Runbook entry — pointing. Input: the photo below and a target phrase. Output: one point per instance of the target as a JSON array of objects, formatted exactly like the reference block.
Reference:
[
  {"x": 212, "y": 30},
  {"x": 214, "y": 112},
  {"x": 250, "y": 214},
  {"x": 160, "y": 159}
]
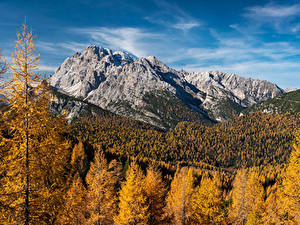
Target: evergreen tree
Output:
[
  {"x": 133, "y": 206},
  {"x": 102, "y": 180},
  {"x": 155, "y": 190},
  {"x": 33, "y": 151},
  {"x": 179, "y": 197},
  {"x": 207, "y": 203}
]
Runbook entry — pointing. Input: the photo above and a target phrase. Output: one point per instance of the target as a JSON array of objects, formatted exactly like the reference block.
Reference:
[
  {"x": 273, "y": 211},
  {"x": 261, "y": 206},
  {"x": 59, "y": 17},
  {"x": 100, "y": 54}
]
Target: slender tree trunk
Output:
[{"x": 26, "y": 159}]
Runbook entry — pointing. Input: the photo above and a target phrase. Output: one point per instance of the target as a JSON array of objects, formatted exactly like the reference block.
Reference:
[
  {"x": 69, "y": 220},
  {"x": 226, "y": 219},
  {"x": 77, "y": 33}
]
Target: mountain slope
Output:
[
  {"x": 238, "y": 92},
  {"x": 288, "y": 102},
  {"x": 143, "y": 88},
  {"x": 253, "y": 140},
  {"x": 119, "y": 84},
  {"x": 76, "y": 109}
]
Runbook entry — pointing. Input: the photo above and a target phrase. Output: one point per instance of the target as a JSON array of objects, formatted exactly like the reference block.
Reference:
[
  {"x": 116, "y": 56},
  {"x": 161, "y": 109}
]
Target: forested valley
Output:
[{"x": 108, "y": 169}]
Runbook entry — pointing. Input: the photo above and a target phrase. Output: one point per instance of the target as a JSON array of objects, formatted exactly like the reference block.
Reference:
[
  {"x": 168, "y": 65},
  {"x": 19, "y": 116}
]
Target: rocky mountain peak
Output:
[
  {"x": 98, "y": 53},
  {"x": 121, "y": 83}
]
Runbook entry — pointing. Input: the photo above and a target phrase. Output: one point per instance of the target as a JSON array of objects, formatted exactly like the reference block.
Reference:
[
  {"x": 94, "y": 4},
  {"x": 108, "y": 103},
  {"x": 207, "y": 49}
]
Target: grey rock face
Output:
[
  {"x": 287, "y": 90},
  {"x": 118, "y": 82},
  {"x": 242, "y": 91}
]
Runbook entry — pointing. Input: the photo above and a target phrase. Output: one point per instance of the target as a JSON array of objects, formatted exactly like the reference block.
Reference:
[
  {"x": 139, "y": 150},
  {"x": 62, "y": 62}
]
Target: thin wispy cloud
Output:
[
  {"x": 232, "y": 54},
  {"x": 236, "y": 49},
  {"x": 73, "y": 46},
  {"x": 135, "y": 40},
  {"x": 263, "y": 70},
  {"x": 47, "y": 68},
  {"x": 68, "y": 47},
  {"x": 273, "y": 11},
  {"x": 280, "y": 17},
  {"x": 172, "y": 16},
  {"x": 186, "y": 26},
  {"x": 259, "y": 38}
]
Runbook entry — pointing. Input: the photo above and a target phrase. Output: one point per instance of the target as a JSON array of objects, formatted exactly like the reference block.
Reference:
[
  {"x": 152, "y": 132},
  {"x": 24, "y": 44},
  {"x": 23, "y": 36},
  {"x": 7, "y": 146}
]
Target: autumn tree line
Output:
[
  {"x": 255, "y": 140},
  {"x": 55, "y": 173},
  {"x": 191, "y": 196}
]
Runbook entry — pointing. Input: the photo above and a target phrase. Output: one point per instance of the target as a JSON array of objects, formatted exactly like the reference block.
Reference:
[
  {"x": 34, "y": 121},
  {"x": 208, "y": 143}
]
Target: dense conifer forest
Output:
[{"x": 108, "y": 169}]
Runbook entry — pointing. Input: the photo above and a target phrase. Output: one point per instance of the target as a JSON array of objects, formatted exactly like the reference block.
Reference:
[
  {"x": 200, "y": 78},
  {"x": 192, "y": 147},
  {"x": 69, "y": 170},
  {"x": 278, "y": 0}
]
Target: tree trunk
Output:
[{"x": 26, "y": 159}]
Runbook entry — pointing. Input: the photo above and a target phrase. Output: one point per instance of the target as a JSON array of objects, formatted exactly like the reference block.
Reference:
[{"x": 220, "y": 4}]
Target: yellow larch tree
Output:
[
  {"x": 207, "y": 203},
  {"x": 79, "y": 160},
  {"x": 254, "y": 199},
  {"x": 273, "y": 213},
  {"x": 178, "y": 207},
  {"x": 102, "y": 180},
  {"x": 74, "y": 211},
  {"x": 290, "y": 189},
  {"x": 155, "y": 190},
  {"x": 33, "y": 149},
  {"x": 133, "y": 206},
  {"x": 237, "y": 211}
]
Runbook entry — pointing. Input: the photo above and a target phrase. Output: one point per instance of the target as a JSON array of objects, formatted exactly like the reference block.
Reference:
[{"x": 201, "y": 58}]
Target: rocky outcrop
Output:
[
  {"x": 239, "y": 90},
  {"x": 117, "y": 81}
]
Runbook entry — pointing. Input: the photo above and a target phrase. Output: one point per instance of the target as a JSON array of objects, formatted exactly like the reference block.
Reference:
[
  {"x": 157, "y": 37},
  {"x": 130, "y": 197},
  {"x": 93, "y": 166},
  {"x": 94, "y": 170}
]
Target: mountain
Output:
[
  {"x": 230, "y": 92},
  {"x": 288, "y": 102},
  {"x": 146, "y": 89},
  {"x": 78, "y": 109},
  {"x": 286, "y": 90}
]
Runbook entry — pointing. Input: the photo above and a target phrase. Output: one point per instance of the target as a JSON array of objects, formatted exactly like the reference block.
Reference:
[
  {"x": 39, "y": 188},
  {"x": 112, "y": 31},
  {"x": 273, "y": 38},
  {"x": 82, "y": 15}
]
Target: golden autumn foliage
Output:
[
  {"x": 207, "y": 203},
  {"x": 43, "y": 182},
  {"x": 179, "y": 198},
  {"x": 290, "y": 189},
  {"x": 247, "y": 198},
  {"x": 79, "y": 161},
  {"x": 238, "y": 208},
  {"x": 273, "y": 212},
  {"x": 74, "y": 209},
  {"x": 255, "y": 140},
  {"x": 155, "y": 190},
  {"x": 102, "y": 180},
  {"x": 133, "y": 206},
  {"x": 33, "y": 149},
  {"x": 254, "y": 199}
]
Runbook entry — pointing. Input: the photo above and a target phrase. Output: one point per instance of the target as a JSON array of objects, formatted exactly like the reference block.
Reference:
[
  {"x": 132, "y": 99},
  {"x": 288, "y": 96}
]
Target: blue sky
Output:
[{"x": 259, "y": 39}]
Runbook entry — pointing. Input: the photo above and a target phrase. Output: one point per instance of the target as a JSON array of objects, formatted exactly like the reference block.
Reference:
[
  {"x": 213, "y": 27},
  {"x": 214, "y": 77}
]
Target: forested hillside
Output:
[
  {"x": 102, "y": 168},
  {"x": 258, "y": 139},
  {"x": 288, "y": 102}
]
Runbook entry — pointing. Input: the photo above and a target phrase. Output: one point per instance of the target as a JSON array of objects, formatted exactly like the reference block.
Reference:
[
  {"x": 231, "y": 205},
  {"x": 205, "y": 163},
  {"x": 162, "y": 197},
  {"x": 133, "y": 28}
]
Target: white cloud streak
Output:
[
  {"x": 186, "y": 26},
  {"x": 280, "y": 17},
  {"x": 273, "y": 11},
  {"x": 61, "y": 47},
  {"x": 47, "y": 68},
  {"x": 288, "y": 73},
  {"x": 172, "y": 16},
  {"x": 135, "y": 40}
]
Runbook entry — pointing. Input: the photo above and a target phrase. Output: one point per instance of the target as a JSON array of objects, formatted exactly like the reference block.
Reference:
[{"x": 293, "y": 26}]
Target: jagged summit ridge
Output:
[
  {"x": 248, "y": 90},
  {"x": 118, "y": 81}
]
